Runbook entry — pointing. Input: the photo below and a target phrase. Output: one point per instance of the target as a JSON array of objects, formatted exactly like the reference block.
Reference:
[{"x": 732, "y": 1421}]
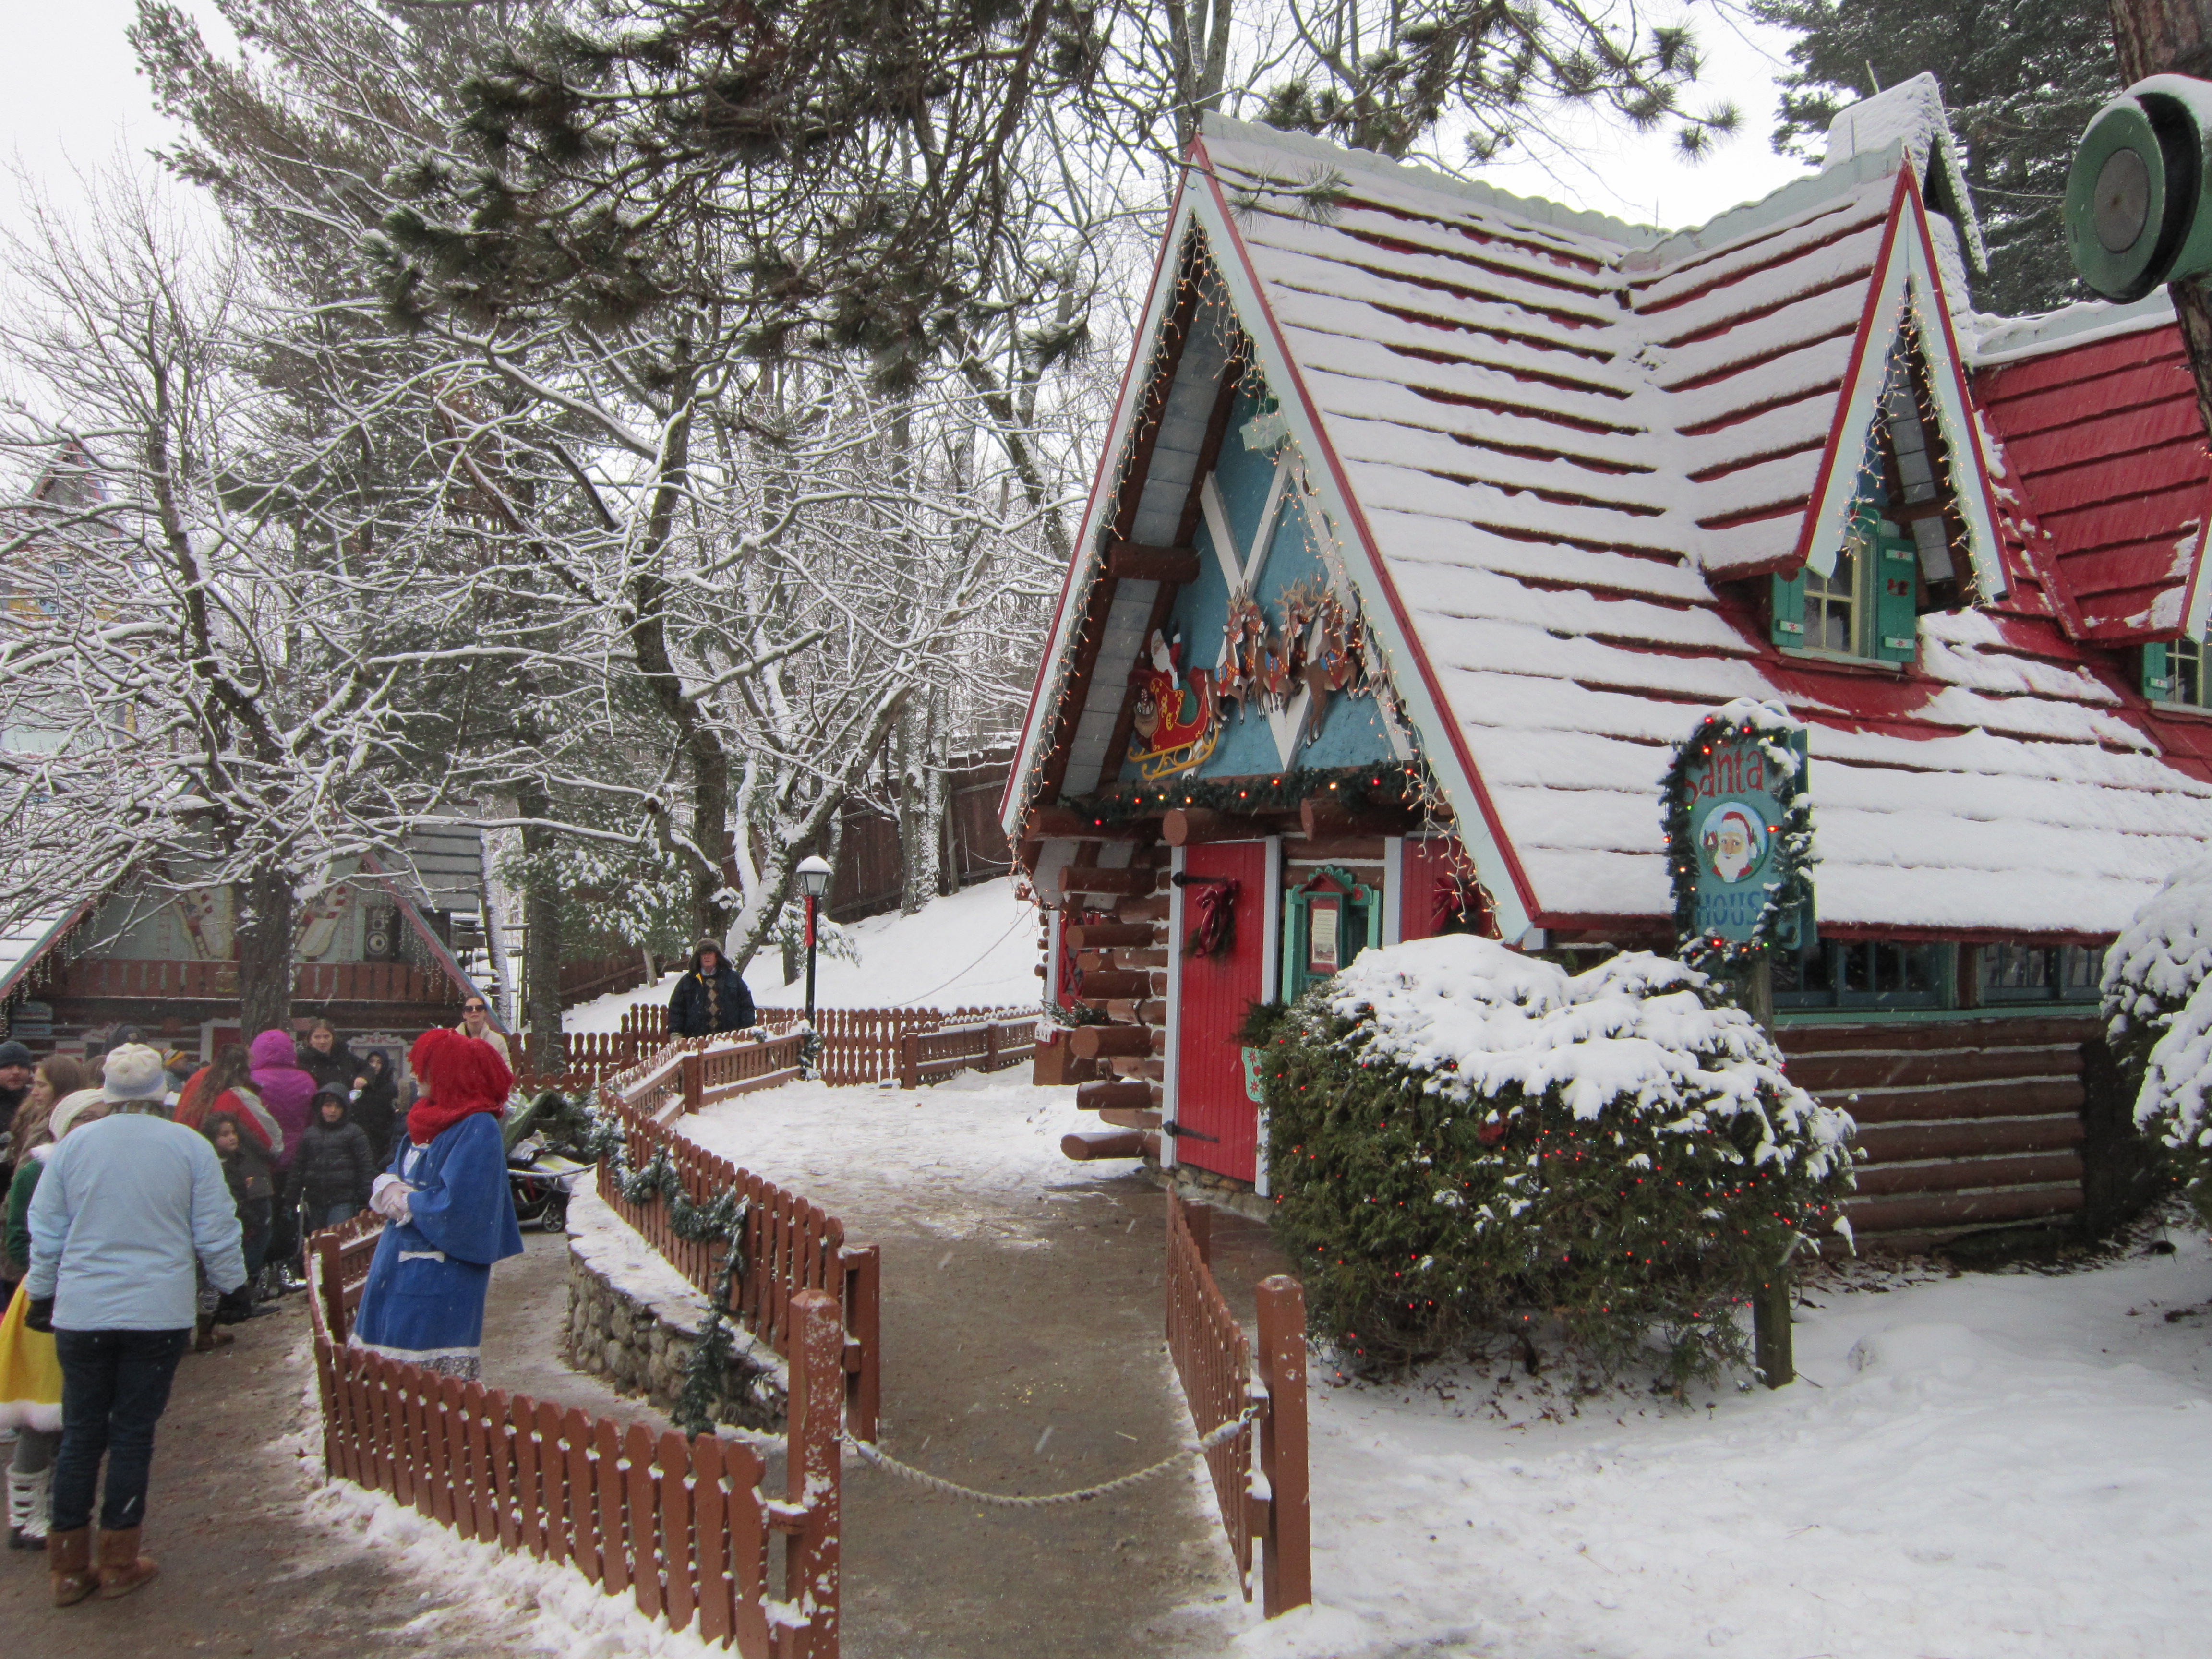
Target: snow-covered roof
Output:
[
  {"x": 1552, "y": 446},
  {"x": 22, "y": 945}
]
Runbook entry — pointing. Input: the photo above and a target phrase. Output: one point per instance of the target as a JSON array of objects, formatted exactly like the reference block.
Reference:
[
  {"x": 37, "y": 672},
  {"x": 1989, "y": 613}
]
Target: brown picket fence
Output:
[
  {"x": 856, "y": 1045},
  {"x": 791, "y": 1247},
  {"x": 990, "y": 1045},
  {"x": 681, "y": 1526},
  {"x": 1214, "y": 1358}
]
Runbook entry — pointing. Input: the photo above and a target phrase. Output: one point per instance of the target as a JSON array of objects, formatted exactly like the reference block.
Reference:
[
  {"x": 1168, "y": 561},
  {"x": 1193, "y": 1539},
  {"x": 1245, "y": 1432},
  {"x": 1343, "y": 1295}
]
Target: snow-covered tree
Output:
[
  {"x": 2157, "y": 1018},
  {"x": 198, "y": 671}
]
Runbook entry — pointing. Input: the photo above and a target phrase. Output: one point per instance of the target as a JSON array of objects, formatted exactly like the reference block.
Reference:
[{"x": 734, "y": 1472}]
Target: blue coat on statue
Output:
[{"x": 424, "y": 1301}]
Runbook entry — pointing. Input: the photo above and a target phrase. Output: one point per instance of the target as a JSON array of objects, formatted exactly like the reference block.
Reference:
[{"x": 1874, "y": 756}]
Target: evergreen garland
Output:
[
  {"x": 720, "y": 1221},
  {"x": 1792, "y": 842},
  {"x": 1356, "y": 788}
]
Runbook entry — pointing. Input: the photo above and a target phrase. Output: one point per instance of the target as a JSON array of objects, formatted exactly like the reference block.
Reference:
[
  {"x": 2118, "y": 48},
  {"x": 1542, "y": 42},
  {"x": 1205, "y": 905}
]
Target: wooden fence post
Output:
[
  {"x": 864, "y": 1326},
  {"x": 1200, "y": 1220},
  {"x": 1286, "y": 1569},
  {"x": 332, "y": 1288},
  {"x": 909, "y": 1061},
  {"x": 815, "y": 1413},
  {"x": 695, "y": 1082}
]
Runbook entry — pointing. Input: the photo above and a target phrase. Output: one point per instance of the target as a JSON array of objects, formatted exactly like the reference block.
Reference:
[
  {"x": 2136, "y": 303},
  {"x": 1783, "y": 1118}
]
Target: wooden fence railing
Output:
[
  {"x": 1214, "y": 1360},
  {"x": 680, "y": 1525},
  {"x": 990, "y": 1045},
  {"x": 856, "y": 1045},
  {"x": 791, "y": 1246},
  {"x": 217, "y": 982}
]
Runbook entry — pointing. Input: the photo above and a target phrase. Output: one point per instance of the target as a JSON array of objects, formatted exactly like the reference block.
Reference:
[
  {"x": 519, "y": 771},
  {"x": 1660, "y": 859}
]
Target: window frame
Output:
[
  {"x": 2054, "y": 992},
  {"x": 1837, "y": 996}
]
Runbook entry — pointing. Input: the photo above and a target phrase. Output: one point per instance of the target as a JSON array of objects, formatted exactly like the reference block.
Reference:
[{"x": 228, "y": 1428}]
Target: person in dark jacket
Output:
[
  {"x": 335, "y": 1166},
  {"x": 711, "y": 997},
  {"x": 376, "y": 1103},
  {"x": 329, "y": 1062},
  {"x": 252, "y": 1185}
]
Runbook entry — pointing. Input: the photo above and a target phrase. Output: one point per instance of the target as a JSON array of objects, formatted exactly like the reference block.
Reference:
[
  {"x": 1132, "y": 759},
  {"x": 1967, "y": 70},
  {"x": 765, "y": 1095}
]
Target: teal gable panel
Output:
[{"x": 1352, "y": 732}]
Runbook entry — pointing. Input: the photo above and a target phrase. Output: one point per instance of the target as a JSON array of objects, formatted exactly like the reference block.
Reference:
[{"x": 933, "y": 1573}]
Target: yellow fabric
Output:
[{"x": 30, "y": 1375}]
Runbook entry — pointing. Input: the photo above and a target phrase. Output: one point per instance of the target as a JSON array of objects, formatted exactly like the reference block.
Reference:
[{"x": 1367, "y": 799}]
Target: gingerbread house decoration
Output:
[{"x": 1431, "y": 518}]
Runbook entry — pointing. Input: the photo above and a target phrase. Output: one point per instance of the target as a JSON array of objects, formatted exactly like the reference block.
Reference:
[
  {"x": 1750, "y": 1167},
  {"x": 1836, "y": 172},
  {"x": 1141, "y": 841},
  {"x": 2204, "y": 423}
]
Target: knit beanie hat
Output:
[
  {"x": 69, "y": 1108},
  {"x": 12, "y": 1053},
  {"x": 134, "y": 1073}
]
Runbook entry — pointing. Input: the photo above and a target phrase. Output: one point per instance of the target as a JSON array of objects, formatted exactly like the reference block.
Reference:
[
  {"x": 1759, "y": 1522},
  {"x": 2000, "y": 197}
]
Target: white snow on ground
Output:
[
  {"x": 547, "y": 1604},
  {"x": 1992, "y": 1467},
  {"x": 976, "y": 949},
  {"x": 971, "y": 1155},
  {"x": 2003, "y": 1466}
]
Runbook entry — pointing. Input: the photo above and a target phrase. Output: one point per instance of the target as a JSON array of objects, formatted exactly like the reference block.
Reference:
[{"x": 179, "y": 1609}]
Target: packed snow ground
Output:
[
  {"x": 974, "y": 948},
  {"x": 1992, "y": 1465}
]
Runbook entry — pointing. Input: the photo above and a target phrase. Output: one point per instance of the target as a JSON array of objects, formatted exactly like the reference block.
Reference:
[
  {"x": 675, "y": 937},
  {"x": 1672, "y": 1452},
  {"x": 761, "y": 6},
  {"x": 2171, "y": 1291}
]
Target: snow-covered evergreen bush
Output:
[
  {"x": 2157, "y": 1019},
  {"x": 1463, "y": 1139}
]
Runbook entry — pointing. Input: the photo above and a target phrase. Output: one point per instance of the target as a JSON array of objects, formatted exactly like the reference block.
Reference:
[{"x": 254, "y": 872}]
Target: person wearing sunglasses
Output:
[{"x": 476, "y": 1022}]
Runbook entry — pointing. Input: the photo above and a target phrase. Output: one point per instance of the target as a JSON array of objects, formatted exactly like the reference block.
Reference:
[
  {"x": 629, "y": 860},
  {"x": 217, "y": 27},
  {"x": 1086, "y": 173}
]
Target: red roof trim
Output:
[
  {"x": 1356, "y": 510},
  {"x": 1078, "y": 557}
]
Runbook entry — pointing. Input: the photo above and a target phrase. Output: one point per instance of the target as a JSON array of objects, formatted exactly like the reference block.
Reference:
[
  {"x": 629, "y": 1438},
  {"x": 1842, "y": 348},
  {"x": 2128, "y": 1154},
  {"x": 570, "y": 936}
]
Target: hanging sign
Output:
[{"x": 1739, "y": 818}]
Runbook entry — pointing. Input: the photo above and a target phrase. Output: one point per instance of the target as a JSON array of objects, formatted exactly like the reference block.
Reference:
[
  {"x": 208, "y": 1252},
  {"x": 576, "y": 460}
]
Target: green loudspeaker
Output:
[{"x": 2135, "y": 209}]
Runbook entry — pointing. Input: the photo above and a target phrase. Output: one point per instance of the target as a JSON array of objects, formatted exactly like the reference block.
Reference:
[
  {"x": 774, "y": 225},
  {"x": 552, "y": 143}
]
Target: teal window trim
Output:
[
  {"x": 1868, "y": 976},
  {"x": 1363, "y": 921},
  {"x": 2157, "y": 678},
  {"x": 2061, "y": 974}
]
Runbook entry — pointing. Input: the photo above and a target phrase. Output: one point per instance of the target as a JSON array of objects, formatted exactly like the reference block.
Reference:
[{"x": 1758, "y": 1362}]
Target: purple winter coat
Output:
[{"x": 285, "y": 1089}]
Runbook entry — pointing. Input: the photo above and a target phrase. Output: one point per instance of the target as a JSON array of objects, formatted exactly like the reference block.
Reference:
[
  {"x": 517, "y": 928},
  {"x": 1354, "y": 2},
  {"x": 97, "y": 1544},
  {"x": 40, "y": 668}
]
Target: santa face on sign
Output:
[{"x": 1732, "y": 843}]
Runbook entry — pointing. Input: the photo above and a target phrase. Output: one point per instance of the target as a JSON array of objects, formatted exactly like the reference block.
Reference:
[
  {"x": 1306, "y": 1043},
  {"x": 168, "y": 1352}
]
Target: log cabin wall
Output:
[{"x": 1966, "y": 1124}]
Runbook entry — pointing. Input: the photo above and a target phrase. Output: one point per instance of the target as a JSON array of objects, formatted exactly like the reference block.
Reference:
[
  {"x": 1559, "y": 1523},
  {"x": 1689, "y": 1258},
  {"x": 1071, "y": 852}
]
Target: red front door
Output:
[{"x": 1217, "y": 992}]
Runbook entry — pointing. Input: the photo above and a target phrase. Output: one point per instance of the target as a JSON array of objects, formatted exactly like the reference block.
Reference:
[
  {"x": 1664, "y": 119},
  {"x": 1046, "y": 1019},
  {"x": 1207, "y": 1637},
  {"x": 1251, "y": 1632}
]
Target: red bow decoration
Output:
[
  {"x": 1215, "y": 898},
  {"x": 1460, "y": 898}
]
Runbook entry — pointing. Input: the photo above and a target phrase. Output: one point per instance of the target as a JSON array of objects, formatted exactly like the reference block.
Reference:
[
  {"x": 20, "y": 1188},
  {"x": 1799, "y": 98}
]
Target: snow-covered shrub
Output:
[
  {"x": 1462, "y": 1139},
  {"x": 2157, "y": 1020},
  {"x": 2157, "y": 960}
]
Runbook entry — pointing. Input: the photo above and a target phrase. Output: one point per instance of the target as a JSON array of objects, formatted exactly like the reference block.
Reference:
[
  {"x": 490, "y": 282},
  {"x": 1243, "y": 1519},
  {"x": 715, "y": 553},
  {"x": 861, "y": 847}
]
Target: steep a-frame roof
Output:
[
  {"x": 2096, "y": 413},
  {"x": 1557, "y": 449}
]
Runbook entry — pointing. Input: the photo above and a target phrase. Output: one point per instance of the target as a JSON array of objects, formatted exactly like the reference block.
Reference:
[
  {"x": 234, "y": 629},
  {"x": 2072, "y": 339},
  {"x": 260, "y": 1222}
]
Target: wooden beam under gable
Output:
[
  {"x": 1176, "y": 330},
  {"x": 1209, "y": 454}
]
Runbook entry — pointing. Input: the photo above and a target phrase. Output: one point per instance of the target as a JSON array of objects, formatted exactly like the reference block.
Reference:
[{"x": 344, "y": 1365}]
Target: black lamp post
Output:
[{"x": 813, "y": 874}]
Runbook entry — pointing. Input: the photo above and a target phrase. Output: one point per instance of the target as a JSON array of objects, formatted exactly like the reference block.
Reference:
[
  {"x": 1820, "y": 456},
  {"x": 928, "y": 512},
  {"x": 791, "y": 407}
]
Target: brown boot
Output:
[
  {"x": 69, "y": 1562},
  {"x": 122, "y": 1569}
]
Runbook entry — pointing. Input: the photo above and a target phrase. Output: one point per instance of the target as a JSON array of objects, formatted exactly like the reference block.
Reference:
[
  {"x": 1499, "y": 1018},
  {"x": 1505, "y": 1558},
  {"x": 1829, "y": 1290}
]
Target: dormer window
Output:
[
  {"x": 1864, "y": 608},
  {"x": 2174, "y": 673},
  {"x": 1900, "y": 553}
]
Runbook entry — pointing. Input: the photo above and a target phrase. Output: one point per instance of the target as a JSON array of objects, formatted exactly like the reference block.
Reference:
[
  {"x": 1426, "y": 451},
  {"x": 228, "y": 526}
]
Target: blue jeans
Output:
[
  {"x": 334, "y": 1214},
  {"x": 115, "y": 1386}
]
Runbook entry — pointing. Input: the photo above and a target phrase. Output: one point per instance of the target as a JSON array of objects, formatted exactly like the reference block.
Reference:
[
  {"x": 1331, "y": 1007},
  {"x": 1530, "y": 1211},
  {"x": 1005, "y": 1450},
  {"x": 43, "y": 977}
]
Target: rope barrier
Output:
[{"x": 1222, "y": 1434}]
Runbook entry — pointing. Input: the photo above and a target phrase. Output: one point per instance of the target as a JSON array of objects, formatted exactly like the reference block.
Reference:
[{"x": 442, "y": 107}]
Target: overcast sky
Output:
[{"x": 75, "y": 94}]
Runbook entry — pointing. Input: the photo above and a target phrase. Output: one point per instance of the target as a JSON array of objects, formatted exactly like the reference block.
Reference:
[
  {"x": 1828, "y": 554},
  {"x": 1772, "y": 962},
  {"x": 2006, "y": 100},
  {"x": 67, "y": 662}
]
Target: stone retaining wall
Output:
[{"x": 643, "y": 1348}]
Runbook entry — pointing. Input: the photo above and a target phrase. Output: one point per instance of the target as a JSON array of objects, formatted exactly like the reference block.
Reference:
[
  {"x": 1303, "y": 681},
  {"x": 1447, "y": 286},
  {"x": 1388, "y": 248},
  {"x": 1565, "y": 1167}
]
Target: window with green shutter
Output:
[{"x": 2174, "y": 672}]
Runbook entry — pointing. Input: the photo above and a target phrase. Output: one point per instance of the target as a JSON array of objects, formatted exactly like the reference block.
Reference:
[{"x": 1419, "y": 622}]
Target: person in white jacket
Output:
[{"x": 124, "y": 1210}]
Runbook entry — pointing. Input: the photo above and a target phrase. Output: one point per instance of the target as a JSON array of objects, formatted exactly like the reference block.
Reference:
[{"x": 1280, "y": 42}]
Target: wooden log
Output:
[
  {"x": 1107, "y": 935},
  {"x": 1827, "y": 1073},
  {"x": 1960, "y": 1210},
  {"x": 1089, "y": 1146},
  {"x": 1137, "y": 880},
  {"x": 1088, "y": 1042},
  {"x": 1895, "y": 1143},
  {"x": 1121, "y": 1117},
  {"x": 1189, "y": 826},
  {"x": 1097, "y": 1097},
  {"x": 1968, "y": 1031},
  {"x": 1323, "y": 819},
  {"x": 1065, "y": 823},
  {"x": 1152, "y": 907},
  {"x": 1141, "y": 562},
  {"x": 2034, "y": 1098},
  {"x": 1967, "y": 1174},
  {"x": 1116, "y": 982}
]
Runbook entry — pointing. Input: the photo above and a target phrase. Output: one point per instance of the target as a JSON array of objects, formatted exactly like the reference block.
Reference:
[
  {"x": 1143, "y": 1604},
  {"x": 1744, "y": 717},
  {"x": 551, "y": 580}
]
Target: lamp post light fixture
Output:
[{"x": 813, "y": 874}]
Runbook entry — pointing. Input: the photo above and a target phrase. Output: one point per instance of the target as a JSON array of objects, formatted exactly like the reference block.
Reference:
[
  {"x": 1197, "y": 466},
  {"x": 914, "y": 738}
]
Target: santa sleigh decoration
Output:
[{"x": 1176, "y": 724}]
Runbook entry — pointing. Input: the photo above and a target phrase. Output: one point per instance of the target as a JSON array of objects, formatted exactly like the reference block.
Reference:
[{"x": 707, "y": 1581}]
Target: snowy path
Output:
[{"x": 1023, "y": 1354}]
